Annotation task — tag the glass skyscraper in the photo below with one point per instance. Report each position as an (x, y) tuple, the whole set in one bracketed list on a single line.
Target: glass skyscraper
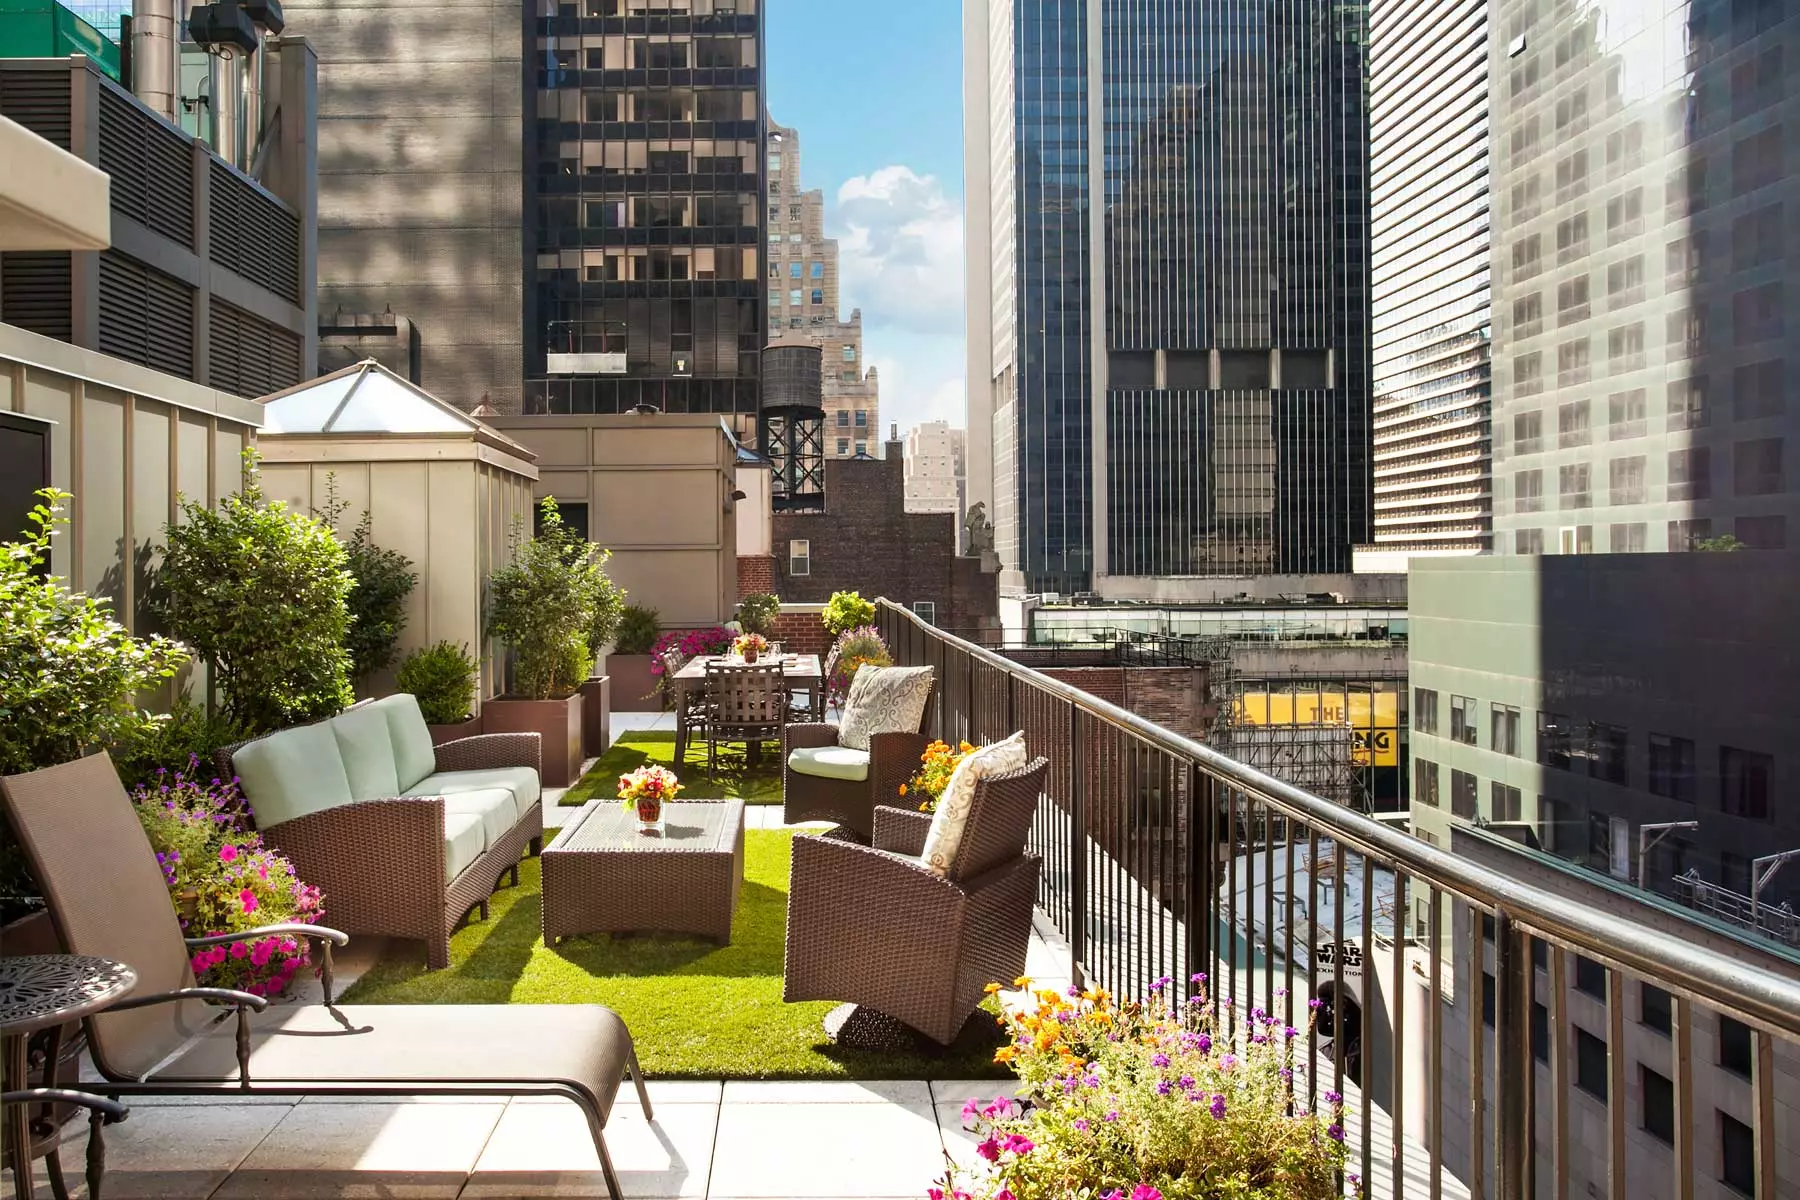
[(1172, 372)]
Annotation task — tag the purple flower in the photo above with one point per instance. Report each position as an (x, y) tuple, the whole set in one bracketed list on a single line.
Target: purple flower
[(1335, 1132), (1203, 1043), (1217, 1108), (1288, 1031), (1162, 1087), (1112, 1114), (1334, 1098), (1090, 1080), (1315, 1004), (1227, 1061), (1197, 977), (1187, 1081), (1159, 1059), (1074, 993), (1081, 1125), (1162, 981)]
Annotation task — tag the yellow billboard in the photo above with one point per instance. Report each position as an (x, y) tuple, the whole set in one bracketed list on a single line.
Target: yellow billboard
[(1373, 717)]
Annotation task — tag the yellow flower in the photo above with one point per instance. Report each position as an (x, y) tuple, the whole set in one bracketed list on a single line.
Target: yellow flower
[(1023, 981), (990, 989), (1004, 1054), (903, 789)]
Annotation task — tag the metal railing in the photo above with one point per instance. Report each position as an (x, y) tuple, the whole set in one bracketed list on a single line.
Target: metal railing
[(1164, 858)]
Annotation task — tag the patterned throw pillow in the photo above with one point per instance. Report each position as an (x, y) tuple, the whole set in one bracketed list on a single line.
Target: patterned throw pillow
[(952, 816), (883, 700)]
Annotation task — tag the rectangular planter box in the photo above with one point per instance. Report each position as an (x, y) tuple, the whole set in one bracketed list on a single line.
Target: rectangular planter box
[(633, 686), (558, 722), (449, 733), (596, 716)]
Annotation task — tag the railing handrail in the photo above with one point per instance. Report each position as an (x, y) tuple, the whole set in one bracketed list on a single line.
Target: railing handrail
[(1744, 990)]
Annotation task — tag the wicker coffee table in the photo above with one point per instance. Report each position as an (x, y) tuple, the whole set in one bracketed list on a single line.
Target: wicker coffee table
[(603, 876)]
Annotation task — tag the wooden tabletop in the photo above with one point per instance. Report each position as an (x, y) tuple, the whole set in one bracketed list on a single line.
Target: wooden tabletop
[(801, 667)]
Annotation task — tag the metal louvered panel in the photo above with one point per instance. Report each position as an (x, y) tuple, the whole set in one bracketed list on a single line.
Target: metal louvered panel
[(145, 316), (254, 234), (249, 356), (38, 100), (151, 167), (35, 292)]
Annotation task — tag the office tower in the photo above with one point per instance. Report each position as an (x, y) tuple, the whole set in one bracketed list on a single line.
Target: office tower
[(936, 454), (1644, 264), (803, 302), (644, 212), (1429, 251), (1168, 281)]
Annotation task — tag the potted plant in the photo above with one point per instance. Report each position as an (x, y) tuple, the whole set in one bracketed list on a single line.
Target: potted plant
[(645, 791), (749, 646), (689, 644), (846, 611), (854, 649), (632, 666), (756, 613), (936, 765), (442, 678), (542, 606), (596, 689)]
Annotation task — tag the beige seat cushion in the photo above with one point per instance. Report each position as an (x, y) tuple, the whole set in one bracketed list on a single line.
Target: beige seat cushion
[(951, 819), (830, 762), (464, 840), (522, 782), (414, 755), (884, 700), (494, 806), (367, 748)]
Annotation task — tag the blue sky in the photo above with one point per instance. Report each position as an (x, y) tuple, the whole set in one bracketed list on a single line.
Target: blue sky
[(875, 89)]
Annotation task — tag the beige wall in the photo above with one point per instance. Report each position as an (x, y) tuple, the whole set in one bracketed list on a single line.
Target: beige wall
[(754, 515), (447, 503), (658, 490)]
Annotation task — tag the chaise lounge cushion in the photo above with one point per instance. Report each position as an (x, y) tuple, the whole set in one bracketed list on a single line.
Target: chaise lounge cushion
[(292, 773), (883, 700), (464, 840), (830, 762), (367, 747), (414, 755), (522, 782), (495, 806)]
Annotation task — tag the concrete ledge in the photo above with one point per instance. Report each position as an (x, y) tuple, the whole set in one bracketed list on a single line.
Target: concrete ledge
[(50, 199)]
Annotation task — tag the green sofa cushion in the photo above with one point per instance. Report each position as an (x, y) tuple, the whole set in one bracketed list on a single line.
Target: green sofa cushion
[(522, 782), (830, 762), (292, 773), (414, 755), (494, 806), (464, 841), (367, 747)]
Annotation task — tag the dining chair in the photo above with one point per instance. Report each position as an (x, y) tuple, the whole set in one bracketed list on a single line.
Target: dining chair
[(745, 702)]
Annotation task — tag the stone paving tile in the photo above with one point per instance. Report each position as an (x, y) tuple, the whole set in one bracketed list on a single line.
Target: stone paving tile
[(546, 1150), (397, 1151), (825, 1150), (169, 1152), (876, 1091), (662, 1091)]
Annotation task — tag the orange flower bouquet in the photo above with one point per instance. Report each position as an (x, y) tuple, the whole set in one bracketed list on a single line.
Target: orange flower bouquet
[(936, 766)]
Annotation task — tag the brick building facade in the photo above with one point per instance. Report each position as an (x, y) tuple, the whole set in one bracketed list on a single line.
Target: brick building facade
[(866, 541)]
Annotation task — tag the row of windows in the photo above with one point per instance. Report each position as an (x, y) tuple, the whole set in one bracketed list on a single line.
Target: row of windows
[(1756, 470), (1594, 748), (794, 270), (1753, 532)]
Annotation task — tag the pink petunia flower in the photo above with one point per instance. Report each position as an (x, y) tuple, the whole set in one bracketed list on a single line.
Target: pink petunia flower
[(237, 950), (248, 899), (228, 853), (1144, 1191)]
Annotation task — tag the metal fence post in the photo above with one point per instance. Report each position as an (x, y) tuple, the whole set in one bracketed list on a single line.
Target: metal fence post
[(1078, 858), (1513, 1067), (1202, 874)]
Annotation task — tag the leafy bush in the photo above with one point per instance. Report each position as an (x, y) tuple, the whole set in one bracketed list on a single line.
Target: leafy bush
[(1153, 1101), (542, 606), (69, 673), (261, 594), (383, 580), (638, 630), (442, 678), (855, 648), (167, 743), (222, 879), (689, 642), (846, 610), (609, 609), (756, 613)]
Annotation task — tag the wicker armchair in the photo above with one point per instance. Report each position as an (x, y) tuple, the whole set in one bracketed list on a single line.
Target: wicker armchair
[(746, 703), (871, 925), (893, 759)]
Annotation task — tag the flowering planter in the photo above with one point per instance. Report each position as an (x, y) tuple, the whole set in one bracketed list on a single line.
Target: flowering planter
[(449, 733), (633, 686), (596, 715), (557, 722)]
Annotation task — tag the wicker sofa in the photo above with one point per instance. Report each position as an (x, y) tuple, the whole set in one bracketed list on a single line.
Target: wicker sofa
[(404, 837)]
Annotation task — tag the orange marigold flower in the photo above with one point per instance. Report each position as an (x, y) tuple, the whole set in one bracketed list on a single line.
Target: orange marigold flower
[(991, 988), (1004, 1054)]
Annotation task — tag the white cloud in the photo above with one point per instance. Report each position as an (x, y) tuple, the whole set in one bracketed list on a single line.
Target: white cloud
[(921, 377), (900, 251)]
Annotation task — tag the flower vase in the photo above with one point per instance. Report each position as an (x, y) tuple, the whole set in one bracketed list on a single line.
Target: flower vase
[(750, 654), (649, 814)]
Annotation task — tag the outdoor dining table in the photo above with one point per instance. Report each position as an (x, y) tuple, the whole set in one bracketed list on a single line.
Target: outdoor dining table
[(801, 673)]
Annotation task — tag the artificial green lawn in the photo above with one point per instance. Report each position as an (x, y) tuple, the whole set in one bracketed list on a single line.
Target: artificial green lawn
[(734, 779), (695, 1009)]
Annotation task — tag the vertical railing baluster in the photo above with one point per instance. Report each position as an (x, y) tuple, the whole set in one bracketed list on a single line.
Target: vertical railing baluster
[(1402, 979), (1615, 1086), (1287, 949), (1312, 966), (1077, 846), (1434, 1066), (1202, 892), (1559, 1074), (1341, 861), (1268, 842), (1232, 938), (1367, 1060), (1512, 1057), (1762, 1111), (1475, 985), (1681, 1039)]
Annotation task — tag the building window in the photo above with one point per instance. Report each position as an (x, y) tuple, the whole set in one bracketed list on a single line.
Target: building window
[(1659, 1104), (818, 270), (843, 418), (1462, 719), (1528, 491), (1655, 1008), (1625, 415), (1424, 714), (1528, 374), (1575, 539), (1734, 1046), (1572, 302), (1737, 1154), (1745, 781), (1671, 767), (1574, 488), (1462, 795), (849, 353), (1506, 803), (862, 447), (1756, 467), (1761, 533), (1573, 427), (1555, 740), (1590, 977), (1683, 534), (1590, 1064), (1572, 360), (1488, 997), (1505, 729), (799, 556), (1528, 541), (794, 297), (794, 270), (1556, 822), (862, 419), (1528, 432), (1540, 1014), (1759, 390), (1606, 751), (1425, 782), (818, 296), (774, 160), (1628, 539), (925, 610), (1690, 474)]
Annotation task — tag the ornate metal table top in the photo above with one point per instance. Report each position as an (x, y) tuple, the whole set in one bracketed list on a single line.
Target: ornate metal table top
[(40, 990)]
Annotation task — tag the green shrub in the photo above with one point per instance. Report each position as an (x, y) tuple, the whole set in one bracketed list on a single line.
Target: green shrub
[(168, 743), (542, 606), (609, 609), (756, 613), (846, 610), (638, 630), (260, 593), (383, 580), (69, 673), (442, 678)]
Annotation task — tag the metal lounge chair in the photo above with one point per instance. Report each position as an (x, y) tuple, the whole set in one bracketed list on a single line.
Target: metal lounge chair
[(107, 898), (871, 925)]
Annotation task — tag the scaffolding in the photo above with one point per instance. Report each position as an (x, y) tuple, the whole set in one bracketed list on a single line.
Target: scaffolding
[(1778, 921)]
